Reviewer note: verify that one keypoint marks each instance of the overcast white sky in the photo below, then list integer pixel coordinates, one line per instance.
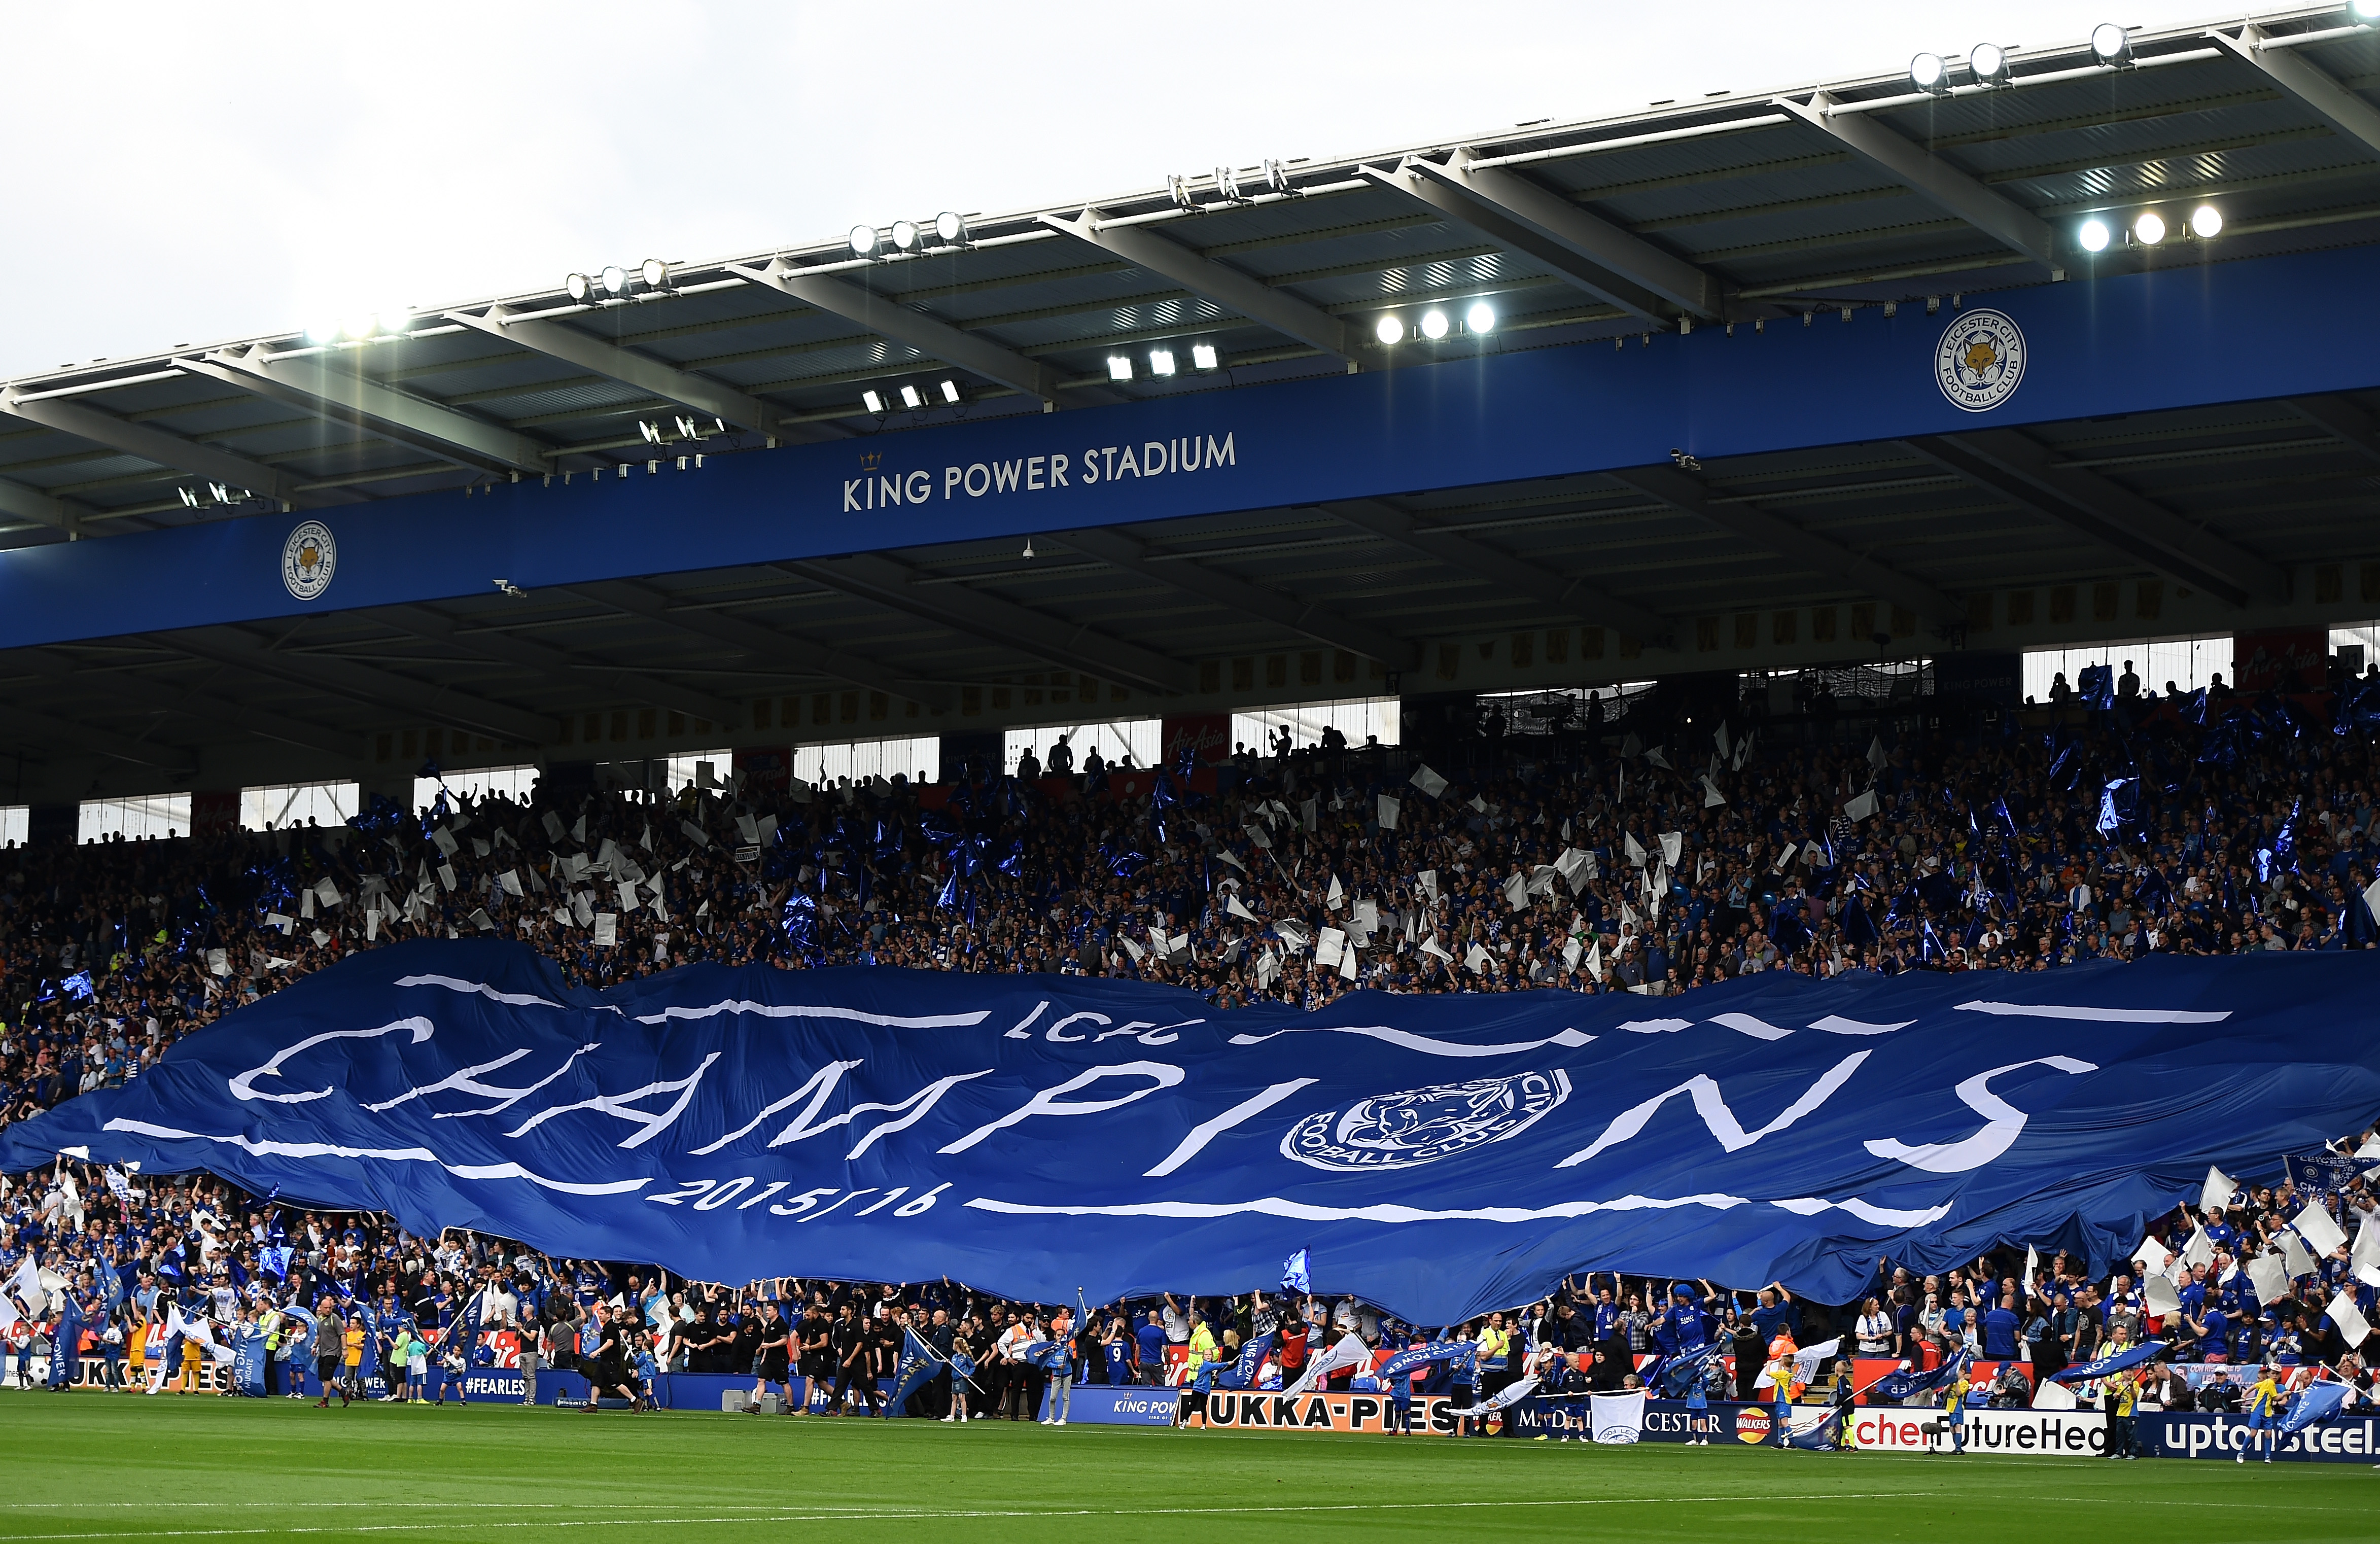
(193, 173)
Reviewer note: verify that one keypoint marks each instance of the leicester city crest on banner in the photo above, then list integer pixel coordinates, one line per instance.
(1980, 360)
(1422, 1125)
(308, 559)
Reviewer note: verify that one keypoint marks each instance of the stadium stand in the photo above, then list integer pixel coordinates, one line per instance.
(1667, 721)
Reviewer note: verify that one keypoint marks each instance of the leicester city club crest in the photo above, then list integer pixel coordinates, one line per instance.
(1980, 360)
(308, 559)
(1422, 1125)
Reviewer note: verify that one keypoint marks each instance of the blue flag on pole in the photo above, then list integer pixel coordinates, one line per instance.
(1295, 1274)
(918, 1364)
(1678, 1373)
(2318, 1402)
(1414, 1358)
(2131, 1356)
(1465, 1153)
(1900, 1385)
(1242, 1372)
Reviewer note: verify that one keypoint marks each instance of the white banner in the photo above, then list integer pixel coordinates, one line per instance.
(1618, 1417)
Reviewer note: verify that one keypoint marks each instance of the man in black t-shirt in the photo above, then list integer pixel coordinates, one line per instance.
(815, 1339)
(744, 1344)
(854, 1344)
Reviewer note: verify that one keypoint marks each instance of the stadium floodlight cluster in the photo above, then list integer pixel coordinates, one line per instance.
(1988, 68)
(613, 283)
(906, 237)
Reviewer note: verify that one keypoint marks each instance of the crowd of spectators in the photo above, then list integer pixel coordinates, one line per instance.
(118, 1259)
(1655, 858)
(1653, 861)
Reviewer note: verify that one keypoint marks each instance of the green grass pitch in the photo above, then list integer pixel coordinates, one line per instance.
(121, 1467)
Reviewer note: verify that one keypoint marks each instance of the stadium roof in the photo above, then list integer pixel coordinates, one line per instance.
(1731, 210)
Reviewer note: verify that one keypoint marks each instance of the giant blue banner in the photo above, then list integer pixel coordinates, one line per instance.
(1438, 1155)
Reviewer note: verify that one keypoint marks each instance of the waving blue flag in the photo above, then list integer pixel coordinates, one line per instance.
(1414, 1358)
(2131, 1356)
(1900, 1385)
(2318, 1402)
(1243, 1371)
(1677, 1374)
(248, 1361)
(1296, 1276)
(1030, 1135)
(918, 1364)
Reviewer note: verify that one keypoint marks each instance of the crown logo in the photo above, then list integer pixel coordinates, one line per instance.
(870, 461)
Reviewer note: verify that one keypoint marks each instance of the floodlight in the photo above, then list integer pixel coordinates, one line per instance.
(1276, 176)
(951, 227)
(2206, 221)
(912, 398)
(863, 241)
(1160, 361)
(395, 319)
(1988, 63)
(2149, 229)
(1203, 356)
(1928, 73)
(1119, 366)
(905, 236)
(322, 333)
(1390, 330)
(873, 401)
(2110, 45)
(2365, 10)
(2094, 235)
(950, 390)
(1480, 318)
(615, 279)
(656, 273)
(359, 326)
(1434, 326)
(576, 287)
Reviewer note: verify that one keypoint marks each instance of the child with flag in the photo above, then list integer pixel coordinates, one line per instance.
(414, 1352)
(1698, 1413)
(1779, 1376)
(1954, 1399)
(2263, 1410)
(1061, 1369)
(1198, 1374)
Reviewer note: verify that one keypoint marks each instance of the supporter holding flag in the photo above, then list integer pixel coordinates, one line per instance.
(1904, 1383)
(1056, 1356)
(918, 1363)
(1779, 1376)
(1244, 1371)
(1954, 1401)
(296, 1347)
(2263, 1409)
(2319, 1401)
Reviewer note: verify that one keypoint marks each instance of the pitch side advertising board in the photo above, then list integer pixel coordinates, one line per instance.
(1328, 1412)
(2349, 1440)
